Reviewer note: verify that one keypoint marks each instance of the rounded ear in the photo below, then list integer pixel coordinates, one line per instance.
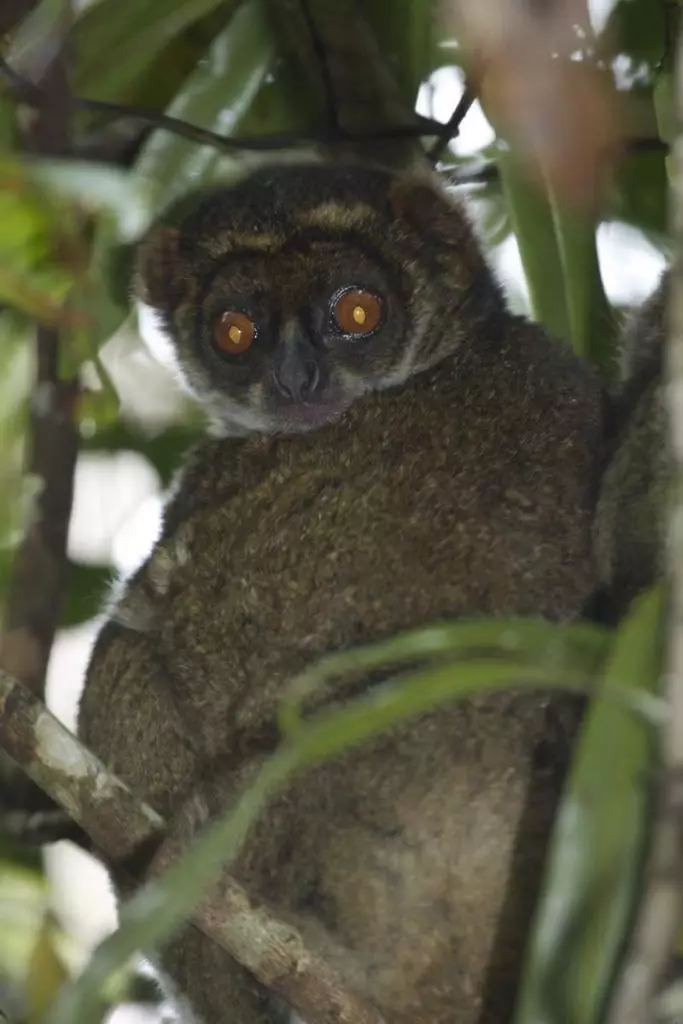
(425, 208)
(160, 275)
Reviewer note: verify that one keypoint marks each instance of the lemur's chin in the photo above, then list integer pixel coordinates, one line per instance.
(305, 416)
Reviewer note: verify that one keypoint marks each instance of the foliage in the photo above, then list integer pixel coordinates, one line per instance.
(67, 228)
(599, 840)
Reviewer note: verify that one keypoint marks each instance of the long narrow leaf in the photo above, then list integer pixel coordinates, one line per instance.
(591, 322)
(534, 641)
(217, 96)
(116, 41)
(405, 30)
(533, 224)
(598, 842)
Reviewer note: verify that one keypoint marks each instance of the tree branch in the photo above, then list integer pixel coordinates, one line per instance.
(38, 576)
(119, 825)
(52, 757)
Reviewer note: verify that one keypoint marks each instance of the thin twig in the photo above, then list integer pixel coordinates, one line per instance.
(119, 825)
(257, 143)
(452, 127)
(659, 916)
(28, 93)
(423, 127)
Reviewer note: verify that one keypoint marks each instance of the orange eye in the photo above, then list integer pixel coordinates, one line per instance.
(357, 312)
(234, 333)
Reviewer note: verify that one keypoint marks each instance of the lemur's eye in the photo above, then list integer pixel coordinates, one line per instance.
(357, 312)
(234, 333)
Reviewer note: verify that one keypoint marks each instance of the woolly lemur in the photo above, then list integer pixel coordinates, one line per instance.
(410, 451)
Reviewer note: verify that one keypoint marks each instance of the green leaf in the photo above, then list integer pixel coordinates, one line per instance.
(116, 42)
(8, 126)
(22, 897)
(641, 32)
(95, 303)
(33, 43)
(559, 255)
(533, 224)
(98, 189)
(64, 226)
(405, 31)
(216, 96)
(45, 974)
(591, 322)
(535, 642)
(599, 840)
(665, 106)
(40, 246)
(495, 223)
(15, 384)
(119, 206)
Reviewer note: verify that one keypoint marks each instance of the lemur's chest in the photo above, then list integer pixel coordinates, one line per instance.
(347, 537)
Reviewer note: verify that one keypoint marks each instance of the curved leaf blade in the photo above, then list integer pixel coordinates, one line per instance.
(598, 842)
(216, 96)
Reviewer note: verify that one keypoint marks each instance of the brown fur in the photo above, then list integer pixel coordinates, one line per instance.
(414, 860)
(629, 523)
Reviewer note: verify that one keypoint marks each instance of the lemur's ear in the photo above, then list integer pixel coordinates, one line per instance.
(428, 211)
(160, 277)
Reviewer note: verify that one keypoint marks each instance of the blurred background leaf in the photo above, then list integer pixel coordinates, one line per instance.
(45, 975)
(117, 43)
(218, 95)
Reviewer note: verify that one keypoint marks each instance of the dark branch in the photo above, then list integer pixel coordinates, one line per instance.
(452, 127)
(28, 93)
(37, 578)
